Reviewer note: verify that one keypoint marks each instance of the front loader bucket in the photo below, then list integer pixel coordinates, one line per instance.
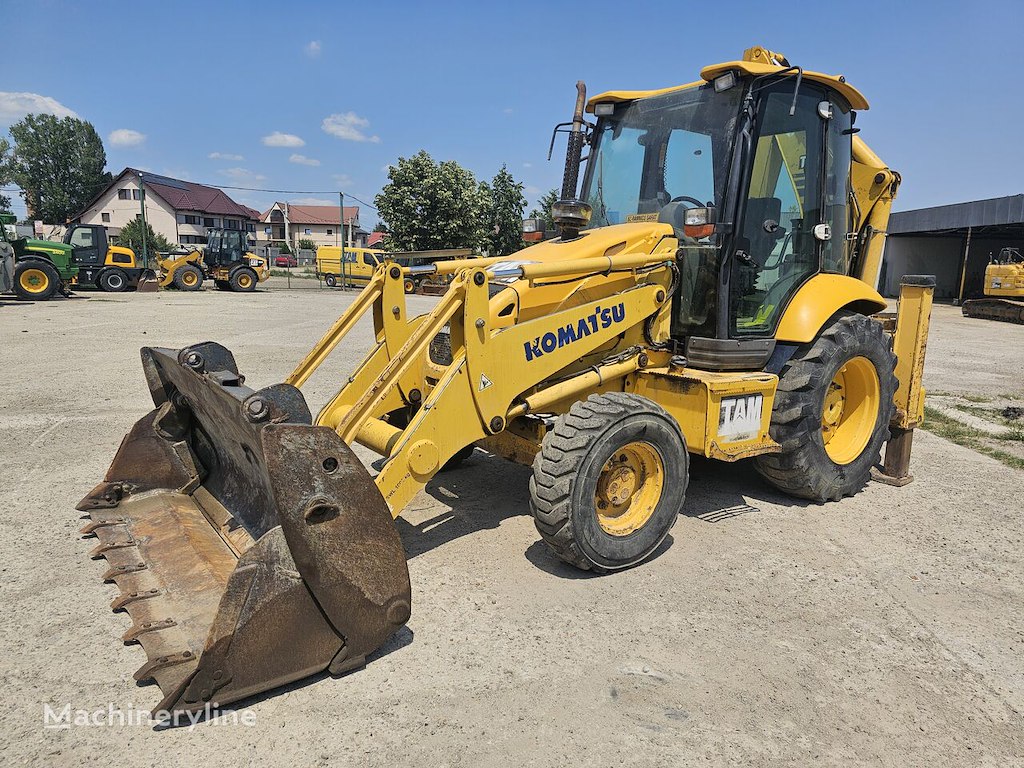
(250, 548)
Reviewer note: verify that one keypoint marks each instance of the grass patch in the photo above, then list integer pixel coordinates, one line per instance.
(977, 398)
(293, 275)
(942, 425)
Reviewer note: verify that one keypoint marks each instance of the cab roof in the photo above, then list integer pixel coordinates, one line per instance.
(756, 61)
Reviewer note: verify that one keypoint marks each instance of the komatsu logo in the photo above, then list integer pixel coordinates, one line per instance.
(597, 320)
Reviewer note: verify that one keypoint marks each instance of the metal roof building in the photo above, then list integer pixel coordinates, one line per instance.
(952, 242)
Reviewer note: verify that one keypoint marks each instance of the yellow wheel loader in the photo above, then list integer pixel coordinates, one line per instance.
(711, 293)
(1004, 289)
(226, 260)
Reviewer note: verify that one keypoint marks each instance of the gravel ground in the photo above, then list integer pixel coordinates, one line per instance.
(884, 629)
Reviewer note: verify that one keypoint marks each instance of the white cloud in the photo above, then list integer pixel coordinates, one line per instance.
(242, 175)
(312, 201)
(303, 160)
(174, 173)
(125, 137)
(313, 49)
(343, 179)
(278, 139)
(348, 126)
(225, 156)
(527, 165)
(15, 105)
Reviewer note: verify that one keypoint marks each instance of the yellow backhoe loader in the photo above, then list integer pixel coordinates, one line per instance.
(1004, 289)
(711, 293)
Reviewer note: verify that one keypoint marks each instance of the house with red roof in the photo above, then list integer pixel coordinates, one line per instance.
(290, 223)
(182, 211)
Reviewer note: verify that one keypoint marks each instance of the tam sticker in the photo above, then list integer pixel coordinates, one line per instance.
(740, 418)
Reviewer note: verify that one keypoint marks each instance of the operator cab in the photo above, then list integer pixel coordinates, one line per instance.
(226, 247)
(753, 174)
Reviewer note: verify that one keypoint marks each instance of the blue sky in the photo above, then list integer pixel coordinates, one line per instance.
(223, 93)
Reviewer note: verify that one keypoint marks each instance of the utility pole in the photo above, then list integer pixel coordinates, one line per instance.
(142, 204)
(341, 205)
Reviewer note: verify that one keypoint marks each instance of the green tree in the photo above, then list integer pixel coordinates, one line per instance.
(506, 214)
(59, 163)
(5, 176)
(543, 209)
(131, 237)
(428, 205)
(307, 244)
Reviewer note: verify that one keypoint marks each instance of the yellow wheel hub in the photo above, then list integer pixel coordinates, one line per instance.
(629, 488)
(244, 281)
(850, 410)
(34, 281)
(189, 278)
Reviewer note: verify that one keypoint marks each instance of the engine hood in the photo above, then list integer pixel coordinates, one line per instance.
(604, 241)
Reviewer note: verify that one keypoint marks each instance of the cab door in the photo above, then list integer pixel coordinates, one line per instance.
(87, 246)
(795, 213)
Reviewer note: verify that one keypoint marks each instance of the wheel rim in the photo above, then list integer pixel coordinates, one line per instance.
(409, 286)
(115, 281)
(34, 281)
(850, 410)
(629, 488)
(189, 279)
(244, 281)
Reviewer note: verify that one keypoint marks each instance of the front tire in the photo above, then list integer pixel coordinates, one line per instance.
(609, 481)
(832, 411)
(35, 280)
(331, 281)
(222, 285)
(113, 280)
(243, 280)
(188, 278)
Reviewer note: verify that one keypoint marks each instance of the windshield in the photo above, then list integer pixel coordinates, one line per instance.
(656, 150)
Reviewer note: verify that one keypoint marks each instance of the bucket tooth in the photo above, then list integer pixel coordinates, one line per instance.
(132, 635)
(120, 570)
(131, 597)
(102, 548)
(149, 670)
(90, 528)
(106, 495)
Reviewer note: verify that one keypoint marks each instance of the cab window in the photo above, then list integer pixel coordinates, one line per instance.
(82, 237)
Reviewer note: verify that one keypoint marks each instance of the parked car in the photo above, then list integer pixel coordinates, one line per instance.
(286, 261)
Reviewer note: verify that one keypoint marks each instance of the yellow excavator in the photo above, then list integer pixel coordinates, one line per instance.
(711, 292)
(1004, 289)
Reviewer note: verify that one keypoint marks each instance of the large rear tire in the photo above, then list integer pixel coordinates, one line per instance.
(832, 411)
(35, 280)
(609, 481)
(188, 278)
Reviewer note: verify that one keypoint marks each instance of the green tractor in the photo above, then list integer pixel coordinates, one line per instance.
(34, 269)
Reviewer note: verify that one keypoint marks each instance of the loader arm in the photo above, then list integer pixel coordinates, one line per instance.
(494, 369)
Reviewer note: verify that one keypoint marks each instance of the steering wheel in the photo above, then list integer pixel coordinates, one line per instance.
(687, 199)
